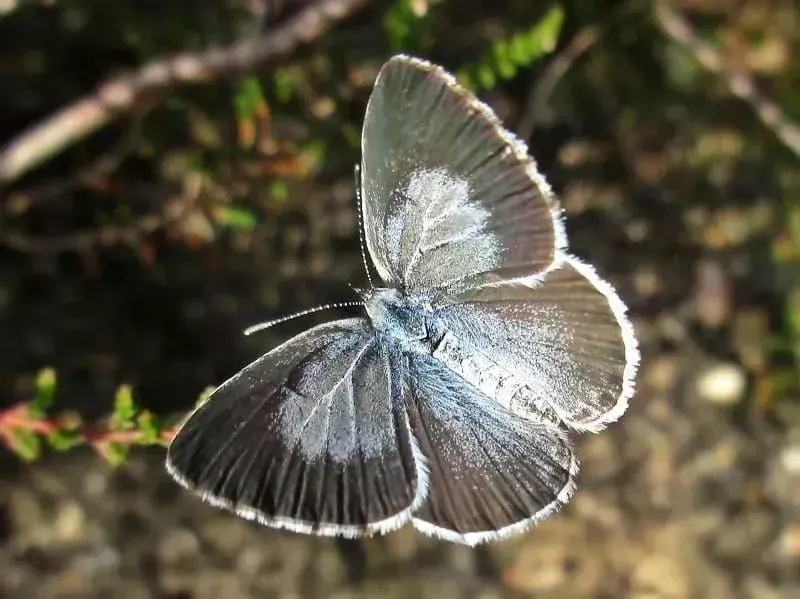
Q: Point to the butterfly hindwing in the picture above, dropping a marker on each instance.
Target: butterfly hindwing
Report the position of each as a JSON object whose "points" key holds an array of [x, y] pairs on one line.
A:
{"points": [[312, 437], [491, 473], [567, 336]]}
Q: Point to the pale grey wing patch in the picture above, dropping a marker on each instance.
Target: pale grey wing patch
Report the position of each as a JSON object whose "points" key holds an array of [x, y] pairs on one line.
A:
{"points": [[433, 224], [566, 336], [450, 199], [311, 437], [491, 473]]}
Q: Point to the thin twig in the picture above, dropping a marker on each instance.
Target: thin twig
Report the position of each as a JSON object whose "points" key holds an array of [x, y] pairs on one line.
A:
{"points": [[122, 93], [740, 83], [538, 110]]}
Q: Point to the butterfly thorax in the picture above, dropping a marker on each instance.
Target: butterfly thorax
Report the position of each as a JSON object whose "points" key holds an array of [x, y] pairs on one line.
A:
{"points": [[397, 316]]}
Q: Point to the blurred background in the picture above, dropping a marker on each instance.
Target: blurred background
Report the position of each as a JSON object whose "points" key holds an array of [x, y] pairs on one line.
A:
{"points": [[171, 172]]}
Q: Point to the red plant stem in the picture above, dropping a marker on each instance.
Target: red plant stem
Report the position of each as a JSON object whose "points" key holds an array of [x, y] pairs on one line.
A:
{"points": [[17, 417]]}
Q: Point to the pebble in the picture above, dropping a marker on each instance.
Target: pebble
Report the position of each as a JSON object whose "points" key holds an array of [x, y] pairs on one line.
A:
{"points": [[713, 294], [750, 531], [721, 384], [648, 281], [178, 544], [661, 372], [790, 459], [657, 575], [789, 542]]}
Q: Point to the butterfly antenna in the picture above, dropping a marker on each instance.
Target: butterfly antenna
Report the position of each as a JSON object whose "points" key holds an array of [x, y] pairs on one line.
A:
{"points": [[357, 172], [271, 323]]}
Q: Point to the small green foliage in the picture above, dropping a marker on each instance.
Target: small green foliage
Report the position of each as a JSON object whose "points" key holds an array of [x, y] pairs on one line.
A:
{"points": [[27, 428], [45, 393], [115, 453], [786, 252], [249, 98], [236, 217], [251, 109], [150, 426], [407, 24], [507, 56], [314, 152], [278, 190], [352, 135], [26, 444], [283, 82], [125, 409], [64, 439]]}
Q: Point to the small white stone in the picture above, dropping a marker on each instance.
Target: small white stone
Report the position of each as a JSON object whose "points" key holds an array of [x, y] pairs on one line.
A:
{"points": [[790, 459], [722, 384]]}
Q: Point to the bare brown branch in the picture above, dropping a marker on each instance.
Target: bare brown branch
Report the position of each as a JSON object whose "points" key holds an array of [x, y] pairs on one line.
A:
{"points": [[122, 93]]}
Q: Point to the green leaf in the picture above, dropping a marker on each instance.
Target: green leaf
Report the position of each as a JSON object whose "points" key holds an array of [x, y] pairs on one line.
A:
{"points": [[314, 151], [547, 31], [64, 439], [506, 56], [45, 393], [150, 425], [278, 190], [793, 312], [236, 217], [505, 66], [352, 135], [404, 26], [486, 77], [249, 97], [284, 82], [26, 444], [125, 408], [518, 50], [115, 453], [465, 78]]}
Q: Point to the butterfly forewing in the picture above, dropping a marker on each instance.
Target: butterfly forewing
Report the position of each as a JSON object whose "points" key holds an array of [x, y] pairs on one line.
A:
{"points": [[312, 437], [450, 199]]}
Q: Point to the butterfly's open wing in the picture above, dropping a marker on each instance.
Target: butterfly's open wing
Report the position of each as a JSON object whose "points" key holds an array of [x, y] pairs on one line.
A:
{"points": [[567, 336], [311, 437], [491, 472], [450, 199]]}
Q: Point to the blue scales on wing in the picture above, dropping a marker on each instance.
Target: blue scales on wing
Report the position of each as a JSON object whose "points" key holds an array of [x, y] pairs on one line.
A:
{"points": [[566, 338], [491, 472]]}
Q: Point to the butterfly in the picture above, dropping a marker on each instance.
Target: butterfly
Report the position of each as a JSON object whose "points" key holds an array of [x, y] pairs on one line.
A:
{"points": [[451, 401]]}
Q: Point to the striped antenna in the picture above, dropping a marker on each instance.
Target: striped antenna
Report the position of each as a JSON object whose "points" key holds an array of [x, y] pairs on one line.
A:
{"points": [[271, 323]]}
